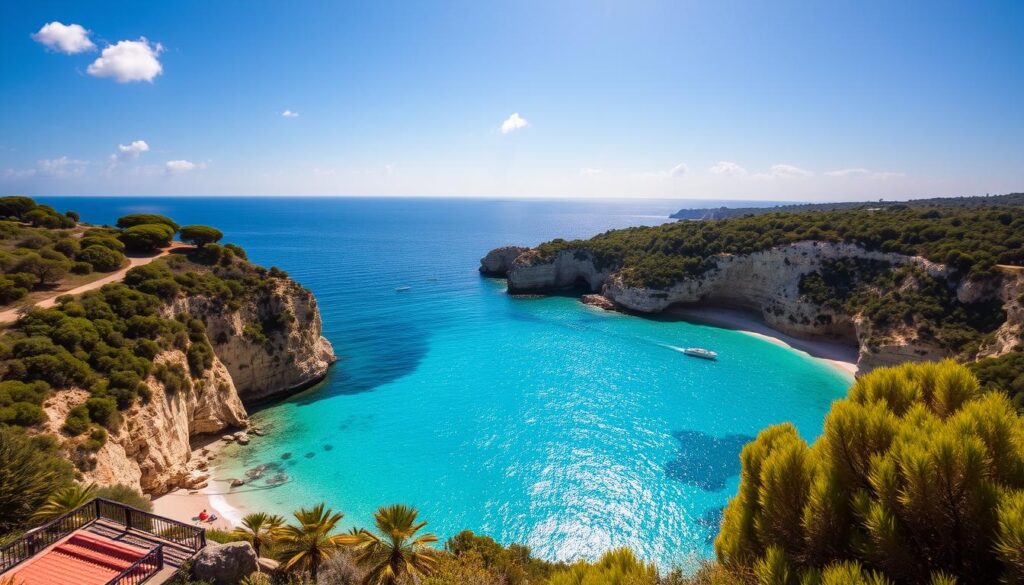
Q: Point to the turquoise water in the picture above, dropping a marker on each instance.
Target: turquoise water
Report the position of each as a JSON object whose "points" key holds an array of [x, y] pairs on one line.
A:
{"points": [[533, 420]]}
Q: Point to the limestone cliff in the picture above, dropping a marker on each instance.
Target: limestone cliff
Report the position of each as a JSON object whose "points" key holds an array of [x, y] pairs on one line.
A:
{"points": [[271, 346], [266, 347], [767, 283]]}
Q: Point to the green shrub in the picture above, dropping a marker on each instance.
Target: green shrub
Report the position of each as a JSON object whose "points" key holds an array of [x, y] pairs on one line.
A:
{"points": [[102, 258], [110, 242], [67, 246], [77, 421], [102, 411], [200, 235], [146, 237], [126, 495], [917, 471], [81, 268], [31, 470], [9, 291], [137, 219]]}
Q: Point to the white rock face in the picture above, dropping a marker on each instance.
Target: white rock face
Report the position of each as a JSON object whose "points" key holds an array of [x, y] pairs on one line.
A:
{"points": [[294, 354], [151, 449], [498, 261], [766, 282], [569, 268]]}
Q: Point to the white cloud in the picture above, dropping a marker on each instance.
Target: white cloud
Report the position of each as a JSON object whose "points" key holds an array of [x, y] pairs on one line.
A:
{"points": [[66, 38], [15, 174], [132, 150], [727, 168], [862, 172], [61, 167], [592, 173], [129, 61], [513, 123], [289, 114], [182, 166], [787, 171], [126, 152], [679, 170]]}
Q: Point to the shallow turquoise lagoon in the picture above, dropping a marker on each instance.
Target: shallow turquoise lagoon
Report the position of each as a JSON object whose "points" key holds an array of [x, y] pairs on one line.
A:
{"points": [[534, 420]]}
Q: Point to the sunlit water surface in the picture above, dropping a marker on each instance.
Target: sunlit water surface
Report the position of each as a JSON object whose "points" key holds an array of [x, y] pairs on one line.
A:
{"points": [[533, 420]]}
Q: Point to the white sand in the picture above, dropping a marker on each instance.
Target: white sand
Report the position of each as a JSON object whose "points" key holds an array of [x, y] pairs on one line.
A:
{"points": [[842, 356], [184, 505]]}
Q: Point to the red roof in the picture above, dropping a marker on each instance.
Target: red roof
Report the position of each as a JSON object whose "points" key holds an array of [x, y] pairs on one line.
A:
{"points": [[81, 559]]}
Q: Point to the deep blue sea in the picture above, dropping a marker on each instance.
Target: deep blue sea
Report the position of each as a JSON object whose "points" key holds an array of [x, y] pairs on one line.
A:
{"points": [[532, 420]]}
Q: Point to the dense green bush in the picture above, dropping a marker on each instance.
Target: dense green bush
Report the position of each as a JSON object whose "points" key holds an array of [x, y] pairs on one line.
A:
{"points": [[107, 241], [16, 207], [137, 219], [102, 258], [30, 470], [146, 237], [81, 268], [1004, 373], [200, 235], [917, 472], [972, 239], [902, 297], [77, 421]]}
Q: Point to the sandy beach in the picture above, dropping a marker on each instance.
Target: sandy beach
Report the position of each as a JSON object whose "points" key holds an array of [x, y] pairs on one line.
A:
{"points": [[842, 356], [184, 505]]}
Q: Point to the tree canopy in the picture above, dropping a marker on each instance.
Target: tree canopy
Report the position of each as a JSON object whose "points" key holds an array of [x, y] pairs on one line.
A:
{"points": [[134, 219], [918, 474], [146, 237], [200, 235]]}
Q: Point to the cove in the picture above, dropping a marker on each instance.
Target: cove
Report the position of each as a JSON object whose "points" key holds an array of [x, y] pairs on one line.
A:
{"points": [[533, 420]]}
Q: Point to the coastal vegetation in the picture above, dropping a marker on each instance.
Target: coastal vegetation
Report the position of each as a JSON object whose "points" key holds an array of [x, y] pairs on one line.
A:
{"points": [[903, 297], [971, 239], [918, 477], [40, 248], [110, 341]]}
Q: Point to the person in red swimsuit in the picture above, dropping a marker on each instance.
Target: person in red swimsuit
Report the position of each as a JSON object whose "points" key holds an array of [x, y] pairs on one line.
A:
{"points": [[203, 516]]}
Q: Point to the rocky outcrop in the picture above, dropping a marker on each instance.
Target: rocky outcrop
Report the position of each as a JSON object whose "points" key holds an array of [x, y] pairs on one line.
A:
{"points": [[151, 448], [498, 261], [224, 564], [569, 268], [271, 346], [767, 283], [267, 347]]}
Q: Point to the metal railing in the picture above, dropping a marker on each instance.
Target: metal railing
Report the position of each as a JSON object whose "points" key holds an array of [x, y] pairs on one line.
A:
{"points": [[190, 537], [39, 538], [186, 535], [141, 569]]}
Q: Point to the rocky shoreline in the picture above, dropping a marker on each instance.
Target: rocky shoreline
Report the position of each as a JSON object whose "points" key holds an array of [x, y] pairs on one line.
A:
{"points": [[165, 444], [764, 283]]}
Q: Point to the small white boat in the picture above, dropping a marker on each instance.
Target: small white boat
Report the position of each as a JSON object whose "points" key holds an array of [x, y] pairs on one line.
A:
{"points": [[700, 352], [403, 289]]}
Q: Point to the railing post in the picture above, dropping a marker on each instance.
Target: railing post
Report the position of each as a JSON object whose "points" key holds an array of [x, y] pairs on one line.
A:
{"points": [[96, 506], [128, 517]]}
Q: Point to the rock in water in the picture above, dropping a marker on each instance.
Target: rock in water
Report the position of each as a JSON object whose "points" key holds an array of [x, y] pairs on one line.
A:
{"points": [[498, 261], [225, 563]]}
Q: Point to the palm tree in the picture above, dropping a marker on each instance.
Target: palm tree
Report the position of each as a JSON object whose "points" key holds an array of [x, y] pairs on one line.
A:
{"points": [[306, 545], [65, 500], [395, 553], [258, 529]]}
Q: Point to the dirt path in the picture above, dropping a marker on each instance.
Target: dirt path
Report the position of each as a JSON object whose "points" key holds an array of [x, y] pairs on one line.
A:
{"points": [[11, 315]]}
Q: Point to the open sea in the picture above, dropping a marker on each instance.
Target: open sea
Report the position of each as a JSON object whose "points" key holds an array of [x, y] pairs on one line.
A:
{"points": [[532, 420]]}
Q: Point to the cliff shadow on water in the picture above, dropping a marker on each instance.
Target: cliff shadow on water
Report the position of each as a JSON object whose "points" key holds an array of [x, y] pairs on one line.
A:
{"points": [[387, 353]]}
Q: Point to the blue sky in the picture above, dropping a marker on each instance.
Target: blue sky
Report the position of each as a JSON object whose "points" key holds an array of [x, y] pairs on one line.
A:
{"points": [[751, 100]]}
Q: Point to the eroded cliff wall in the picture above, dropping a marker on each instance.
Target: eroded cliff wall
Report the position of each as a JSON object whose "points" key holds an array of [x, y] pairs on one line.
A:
{"points": [[151, 448], [768, 284]]}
